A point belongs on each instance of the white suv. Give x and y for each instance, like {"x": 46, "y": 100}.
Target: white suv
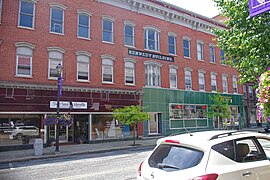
{"x": 20, "y": 131}
{"x": 209, "y": 155}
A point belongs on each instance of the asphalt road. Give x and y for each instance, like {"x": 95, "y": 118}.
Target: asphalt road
{"x": 117, "y": 165}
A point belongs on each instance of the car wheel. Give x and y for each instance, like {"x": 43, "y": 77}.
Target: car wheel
{"x": 19, "y": 136}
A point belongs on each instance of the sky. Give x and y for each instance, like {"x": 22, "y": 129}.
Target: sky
{"x": 203, "y": 7}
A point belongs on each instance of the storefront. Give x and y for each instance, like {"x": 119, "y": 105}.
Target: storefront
{"x": 179, "y": 111}
{"x": 22, "y": 117}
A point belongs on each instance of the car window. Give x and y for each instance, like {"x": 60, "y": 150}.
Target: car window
{"x": 247, "y": 150}
{"x": 169, "y": 157}
{"x": 265, "y": 143}
{"x": 226, "y": 149}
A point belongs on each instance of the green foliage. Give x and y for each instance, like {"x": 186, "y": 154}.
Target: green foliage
{"x": 130, "y": 115}
{"x": 246, "y": 42}
{"x": 220, "y": 107}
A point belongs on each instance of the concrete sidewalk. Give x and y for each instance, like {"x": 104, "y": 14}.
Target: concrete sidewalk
{"x": 75, "y": 149}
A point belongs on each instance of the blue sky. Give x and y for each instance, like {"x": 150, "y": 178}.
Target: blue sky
{"x": 204, "y": 7}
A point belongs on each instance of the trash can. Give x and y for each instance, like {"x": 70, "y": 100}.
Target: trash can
{"x": 38, "y": 147}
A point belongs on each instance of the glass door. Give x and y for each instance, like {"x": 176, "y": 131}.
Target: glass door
{"x": 153, "y": 124}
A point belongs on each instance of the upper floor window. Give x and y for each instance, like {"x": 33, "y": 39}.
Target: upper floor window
{"x": 24, "y": 56}
{"x": 245, "y": 91}
{"x": 200, "y": 51}
{"x": 129, "y": 72}
{"x": 27, "y": 13}
{"x": 172, "y": 43}
{"x": 57, "y": 18}
{"x": 83, "y": 65}
{"x": 186, "y": 45}
{"x": 107, "y": 68}
{"x": 250, "y": 92}
{"x": 225, "y": 83}
{"x": 235, "y": 86}
{"x": 129, "y": 34}
{"x": 201, "y": 81}
{"x": 107, "y": 29}
{"x": 222, "y": 57}
{"x": 214, "y": 81}
{"x": 0, "y": 11}
{"x": 151, "y": 39}
{"x": 173, "y": 77}
{"x": 212, "y": 54}
{"x": 84, "y": 24}
{"x": 56, "y": 56}
{"x": 152, "y": 74}
{"x": 188, "y": 79}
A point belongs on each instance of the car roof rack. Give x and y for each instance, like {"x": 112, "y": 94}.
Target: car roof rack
{"x": 225, "y": 134}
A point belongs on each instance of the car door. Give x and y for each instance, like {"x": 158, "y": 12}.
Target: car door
{"x": 251, "y": 160}
{"x": 264, "y": 171}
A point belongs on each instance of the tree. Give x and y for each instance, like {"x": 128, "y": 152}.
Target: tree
{"x": 130, "y": 115}
{"x": 246, "y": 42}
{"x": 220, "y": 109}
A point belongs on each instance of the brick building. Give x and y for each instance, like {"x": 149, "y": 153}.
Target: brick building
{"x": 114, "y": 53}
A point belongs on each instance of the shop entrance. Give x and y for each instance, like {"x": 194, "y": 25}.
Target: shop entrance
{"x": 80, "y": 128}
{"x": 153, "y": 124}
{"x": 65, "y": 133}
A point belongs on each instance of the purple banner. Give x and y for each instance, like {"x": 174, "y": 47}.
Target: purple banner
{"x": 258, "y": 6}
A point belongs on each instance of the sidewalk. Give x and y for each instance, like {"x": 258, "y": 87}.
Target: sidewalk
{"x": 75, "y": 149}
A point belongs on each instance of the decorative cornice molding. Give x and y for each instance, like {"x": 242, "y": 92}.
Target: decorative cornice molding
{"x": 54, "y": 48}
{"x": 25, "y": 44}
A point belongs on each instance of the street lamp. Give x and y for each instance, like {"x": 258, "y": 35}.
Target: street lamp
{"x": 59, "y": 68}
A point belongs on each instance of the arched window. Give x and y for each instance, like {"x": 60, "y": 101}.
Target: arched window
{"x": 83, "y": 66}
{"x": 56, "y": 56}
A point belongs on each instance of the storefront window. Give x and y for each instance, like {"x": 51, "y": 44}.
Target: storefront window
{"x": 105, "y": 127}
{"x": 179, "y": 111}
{"x": 20, "y": 129}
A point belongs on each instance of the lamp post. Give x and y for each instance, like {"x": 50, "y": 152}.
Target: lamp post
{"x": 59, "y": 68}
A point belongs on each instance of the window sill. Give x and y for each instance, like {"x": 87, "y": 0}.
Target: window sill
{"x": 83, "y": 81}
{"x": 130, "y": 84}
{"x": 152, "y": 50}
{"x": 61, "y": 34}
{"x": 189, "y": 58}
{"x": 201, "y": 61}
{"x": 23, "y": 76}
{"x": 213, "y": 63}
{"x": 28, "y": 28}
{"x": 175, "y": 55}
{"x": 83, "y": 38}
{"x": 128, "y": 46}
{"x": 53, "y": 78}
{"x": 107, "y": 82}
{"x": 106, "y": 42}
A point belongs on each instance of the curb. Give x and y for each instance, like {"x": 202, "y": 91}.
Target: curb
{"x": 65, "y": 154}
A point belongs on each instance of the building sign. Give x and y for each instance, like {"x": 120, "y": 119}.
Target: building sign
{"x": 68, "y": 105}
{"x": 133, "y": 52}
{"x": 258, "y": 6}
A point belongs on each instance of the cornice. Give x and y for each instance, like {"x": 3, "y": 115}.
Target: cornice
{"x": 168, "y": 12}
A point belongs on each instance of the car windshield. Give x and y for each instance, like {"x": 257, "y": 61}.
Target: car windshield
{"x": 171, "y": 158}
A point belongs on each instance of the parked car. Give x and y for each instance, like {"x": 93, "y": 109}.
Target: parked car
{"x": 21, "y": 131}
{"x": 209, "y": 155}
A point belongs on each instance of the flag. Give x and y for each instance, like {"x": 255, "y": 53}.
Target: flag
{"x": 257, "y": 7}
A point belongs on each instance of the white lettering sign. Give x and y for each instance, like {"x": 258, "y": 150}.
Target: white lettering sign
{"x": 68, "y": 105}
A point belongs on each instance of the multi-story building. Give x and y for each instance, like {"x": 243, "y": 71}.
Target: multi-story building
{"x": 114, "y": 53}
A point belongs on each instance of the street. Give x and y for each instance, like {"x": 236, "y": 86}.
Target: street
{"x": 116, "y": 165}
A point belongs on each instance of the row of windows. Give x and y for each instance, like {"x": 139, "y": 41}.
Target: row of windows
{"x": 151, "y": 34}
{"x": 24, "y": 54}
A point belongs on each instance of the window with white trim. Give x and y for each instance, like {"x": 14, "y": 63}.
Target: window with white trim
{"x": 212, "y": 54}
{"x": 83, "y": 66}
{"x": 24, "y": 56}
{"x": 26, "y": 14}
{"x": 83, "y": 25}
{"x": 186, "y": 45}
{"x": 107, "y": 30}
{"x": 0, "y": 11}
{"x": 129, "y": 34}
{"x": 55, "y": 57}
{"x": 235, "y": 86}
{"x": 225, "y": 83}
{"x": 57, "y": 19}
{"x": 214, "y": 81}
{"x": 152, "y": 75}
{"x": 188, "y": 79}
{"x": 107, "y": 70}
{"x": 201, "y": 81}
{"x": 173, "y": 77}
{"x": 151, "y": 39}
{"x": 222, "y": 57}
{"x": 129, "y": 73}
{"x": 172, "y": 44}
{"x": 200, "y": 51}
